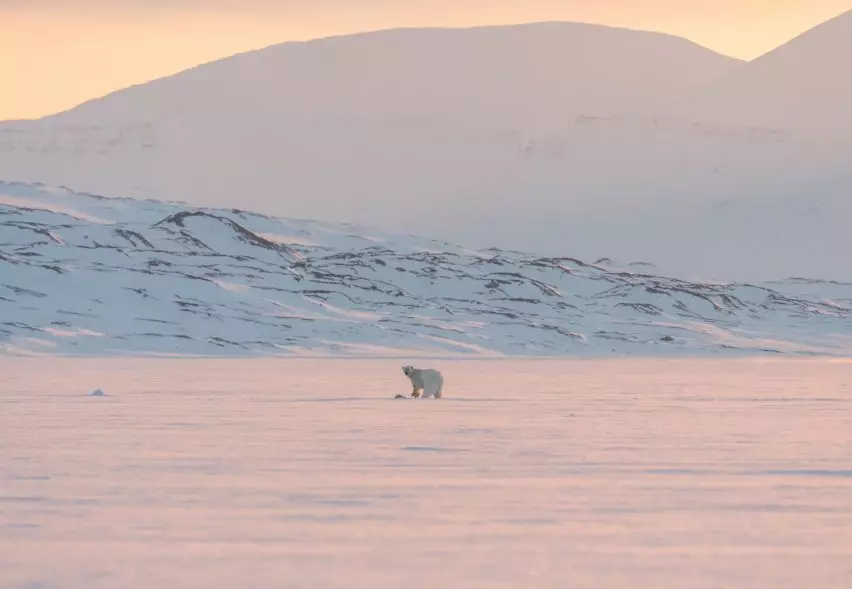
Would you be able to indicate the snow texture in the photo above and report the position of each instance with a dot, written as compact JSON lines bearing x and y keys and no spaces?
{"x":266,"y":473}
{"x":86,"y":275}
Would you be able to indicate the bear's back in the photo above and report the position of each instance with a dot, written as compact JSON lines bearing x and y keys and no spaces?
{"x":426,"y":377}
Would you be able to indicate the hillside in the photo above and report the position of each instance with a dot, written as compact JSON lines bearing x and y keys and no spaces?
{"x":80,"y":274}
{"x":508,"y":76}
{"x":540,"y":137}
{"x":364,"y":128}
{"x":804,"y":84}
{"x":702,"y":201}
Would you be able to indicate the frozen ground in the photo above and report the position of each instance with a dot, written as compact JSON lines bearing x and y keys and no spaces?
{"x":306,"y":474}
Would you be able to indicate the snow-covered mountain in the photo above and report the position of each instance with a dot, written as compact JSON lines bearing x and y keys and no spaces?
{"x":510,"y":76}
{"x":702,"y":201}
{"x":545,"y":138}
{"x":804,"y":84}
{"x":364,"y":128}
{"x":82,"y":274}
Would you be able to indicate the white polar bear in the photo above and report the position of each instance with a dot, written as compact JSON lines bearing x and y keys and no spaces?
{"x":426,"y":382}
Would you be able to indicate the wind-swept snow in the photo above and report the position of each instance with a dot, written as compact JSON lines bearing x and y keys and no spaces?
{"x":169,"y":279}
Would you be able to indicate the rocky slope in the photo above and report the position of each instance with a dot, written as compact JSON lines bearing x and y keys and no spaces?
{"x":81,"y":274}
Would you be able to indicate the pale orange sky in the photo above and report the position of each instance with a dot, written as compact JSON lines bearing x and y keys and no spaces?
{"x":55,"y":54}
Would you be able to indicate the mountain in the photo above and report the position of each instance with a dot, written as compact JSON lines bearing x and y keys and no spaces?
{"x":504,"y":76}
{"x":82,"y":274}
{"x":365,"y":127}
{"x":700,"y":200}
{"x":544,"y":138}
{"x":804,"y":84}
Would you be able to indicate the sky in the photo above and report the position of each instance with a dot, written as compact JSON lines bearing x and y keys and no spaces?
{"x":55,"y":54}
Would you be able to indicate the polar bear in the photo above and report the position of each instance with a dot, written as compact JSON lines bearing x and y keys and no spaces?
{"x":426,"y":382}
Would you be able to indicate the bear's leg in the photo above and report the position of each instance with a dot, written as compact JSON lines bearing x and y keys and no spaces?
{"x":439,"y":392}
{"x":416,"y":393}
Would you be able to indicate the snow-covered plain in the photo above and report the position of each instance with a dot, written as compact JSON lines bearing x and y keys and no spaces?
{"x":609,"y":474}
{"x":85,"y":275}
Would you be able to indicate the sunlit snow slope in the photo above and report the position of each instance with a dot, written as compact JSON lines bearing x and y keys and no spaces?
{"x":82,"y":274}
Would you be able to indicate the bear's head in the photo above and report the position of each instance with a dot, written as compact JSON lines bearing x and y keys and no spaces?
{"x":407,"y":370}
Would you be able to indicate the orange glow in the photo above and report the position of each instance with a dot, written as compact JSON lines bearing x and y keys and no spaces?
{"x":54,"y":59}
